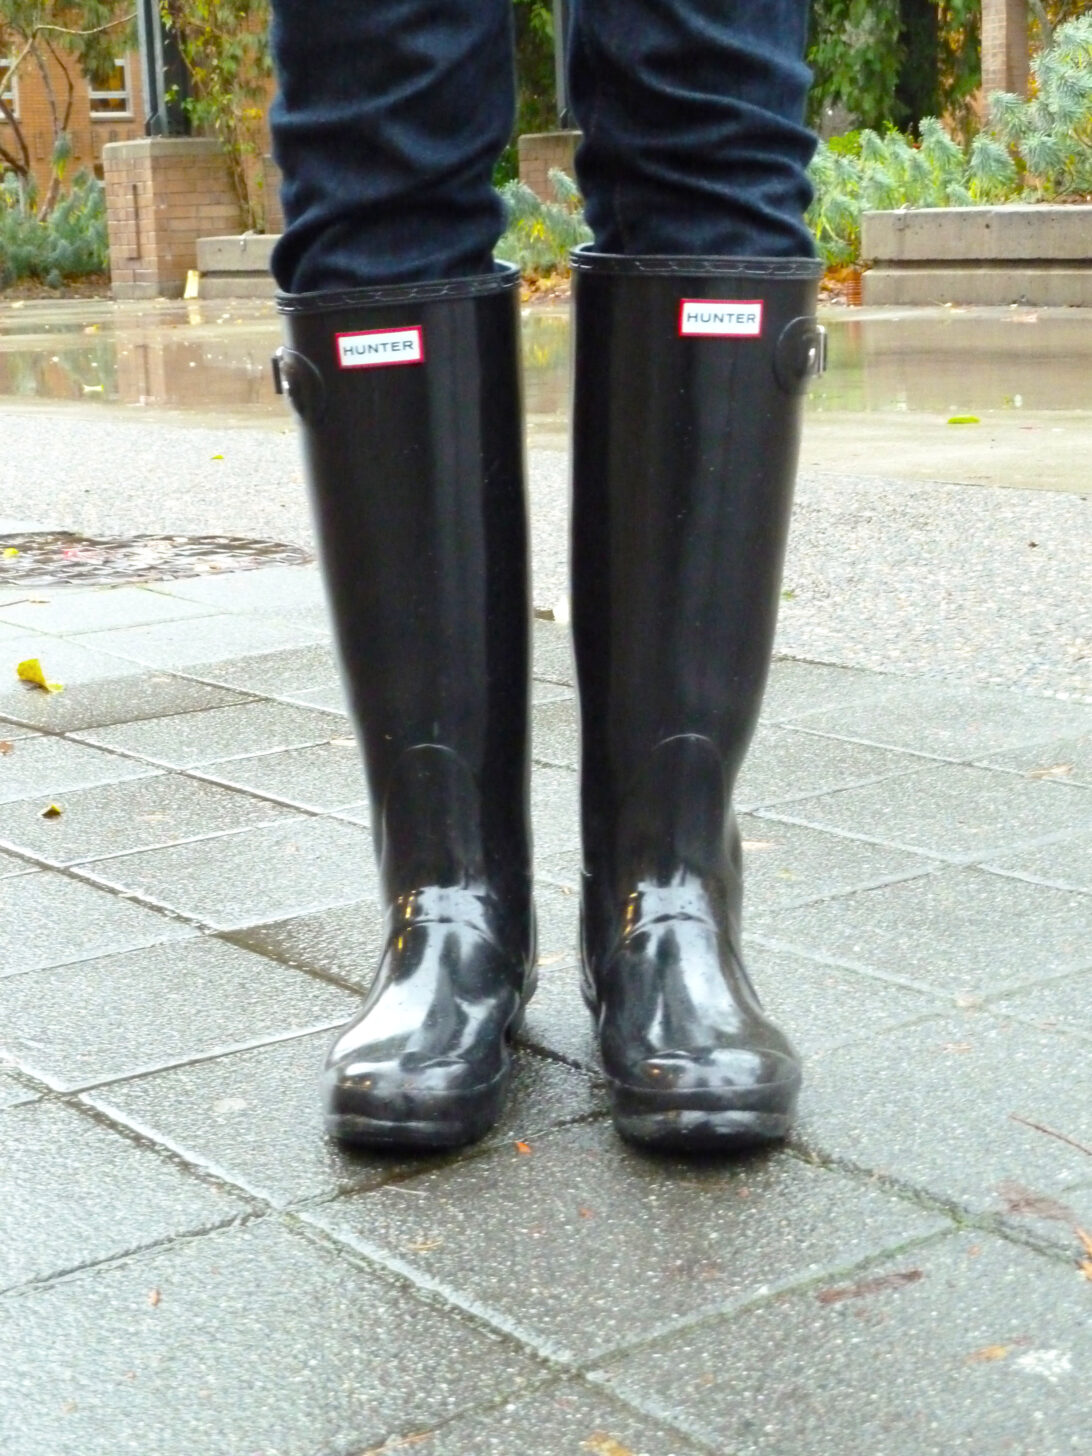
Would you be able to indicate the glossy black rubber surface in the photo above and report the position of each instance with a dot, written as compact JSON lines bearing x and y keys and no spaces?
{"x":415,"y":467}
{"x":684,"y":460}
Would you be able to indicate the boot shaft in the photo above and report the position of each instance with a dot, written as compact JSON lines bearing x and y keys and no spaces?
{"x":411,"y":405}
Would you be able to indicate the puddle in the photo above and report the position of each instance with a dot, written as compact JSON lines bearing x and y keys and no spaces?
{"x":51,"y":558}
{"x":1022,"y":371}
{"x":949,"y":361}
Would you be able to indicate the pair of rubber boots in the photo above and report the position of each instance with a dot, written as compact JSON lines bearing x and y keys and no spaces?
{"x":688,"y":381}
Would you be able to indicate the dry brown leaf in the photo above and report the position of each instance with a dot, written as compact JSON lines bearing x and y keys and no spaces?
{"x":154,"y":1297}
{"x":523,"y":1147}
{"x":870,"y":1286}
{"x":1026,"y":1203}
{"x":1051,"y":771}
{"x":6,"y":747}
{"x":52,"y":811}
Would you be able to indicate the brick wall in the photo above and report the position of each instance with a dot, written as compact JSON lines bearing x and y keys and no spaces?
{"x":1004,"y":46}
{"x":162,"y":194}
{"x":89,"y":135}
{"x":539,"y":152}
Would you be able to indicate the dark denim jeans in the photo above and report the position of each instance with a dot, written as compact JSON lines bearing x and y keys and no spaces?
{"x":392,"y":113}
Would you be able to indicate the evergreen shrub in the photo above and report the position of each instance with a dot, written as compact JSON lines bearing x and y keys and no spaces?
{"x":71,"y":242}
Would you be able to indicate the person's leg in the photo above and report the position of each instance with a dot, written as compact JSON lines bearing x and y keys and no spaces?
{"x":409,"y":398}
{"x":692,"y":115}
{"x":389,"y":119}
{"x":695,"y":336}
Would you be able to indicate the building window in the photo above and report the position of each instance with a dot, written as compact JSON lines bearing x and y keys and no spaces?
{"x":110,"y":92}
{"x":9,"y":93}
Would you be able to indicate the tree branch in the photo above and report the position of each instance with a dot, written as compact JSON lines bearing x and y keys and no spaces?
{"x":1042,"y":19}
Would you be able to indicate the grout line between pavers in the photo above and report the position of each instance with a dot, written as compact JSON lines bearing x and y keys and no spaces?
{"x":965,"y":1218}
{"x":980,"y":857}
{"x":180,"y":1063}
{"x":110,"y":1261}
{"x":976,"y":760}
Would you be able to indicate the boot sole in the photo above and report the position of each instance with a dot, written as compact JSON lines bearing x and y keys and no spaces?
{"x":704,"y":1120}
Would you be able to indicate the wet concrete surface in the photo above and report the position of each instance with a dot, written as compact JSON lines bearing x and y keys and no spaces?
{"x":897,"y":377}
{"x":127,"y":420}
{"x":176,"y":944}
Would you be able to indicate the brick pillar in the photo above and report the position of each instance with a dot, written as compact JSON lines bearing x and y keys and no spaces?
{"x":1005,"y":46}
{"x":162,"y":194}
{"x":541,"y":151}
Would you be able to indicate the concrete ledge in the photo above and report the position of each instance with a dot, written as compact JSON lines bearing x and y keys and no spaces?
{"x":1049,"y":287}
{"x":236,"y":267}
{"x":1033,"y":254}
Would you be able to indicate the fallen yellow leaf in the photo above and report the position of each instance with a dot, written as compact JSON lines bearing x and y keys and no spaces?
{"x":603,"y":1445}
{"x":11,"y":551}
{"x":53,"y":811}
{"x":988,"y":1353}
{"x":30,"y":671}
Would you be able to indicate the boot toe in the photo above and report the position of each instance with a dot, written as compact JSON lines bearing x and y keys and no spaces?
{"x":719,"y":1099}
{"x":409,"y":1102}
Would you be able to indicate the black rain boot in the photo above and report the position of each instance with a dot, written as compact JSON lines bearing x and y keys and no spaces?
{"x":689,"y":377}
{"x":410,"y":399}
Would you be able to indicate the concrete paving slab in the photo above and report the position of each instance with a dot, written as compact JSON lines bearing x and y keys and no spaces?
{"x":323,"y":776}
{"x":975,"y":1073}
{"x":785,"y":765}
{"x":202,"y":639}
{"x":285,"y":673}
{"x":249,"y":877}
{"x":98,"y":610}
{"x":187,"y":740}
{"x":14,"y":1093}
{"x":122,"y":1016}
{"x":267,"y":591}
{"x":949,"y":721}
{"x":343,"y":942}
{"x":555,"y":817}
{"x":788,"y":864}
{"x":330,"y":699}
{"x":549,"y":692}
{"x":557,"y":1021}
{"x":105,"y":690}
{"x":142,"y":813}
{"x":14,"y":733}
{"x":257,"y":1340}
{"x":822,"y":1006}
{"x":960,"y":931}
{"x":1066,"y":863}
{"x":97,"y":1192}
{"x":869,"y":1361}
{"x":11,"y":866}
{"x":1066,"y":760}
{"x":555,"y":733}
{"x":796,"y":688}
{"x":48,"y":766}
{"x":256,"y":1119}
{"x":566,"y":1420}
{"x":516,"y":1233}
{"x":553,"y":652}
{"x":953,"y":812}
{"x":48,"y":919}
{"x":1063,"y":1005}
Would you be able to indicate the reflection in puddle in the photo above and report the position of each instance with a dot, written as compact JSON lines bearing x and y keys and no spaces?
{"x":214,"y":359}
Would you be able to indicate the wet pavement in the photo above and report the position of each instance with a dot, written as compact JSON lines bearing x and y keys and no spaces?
{"x":186,"y":1265}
